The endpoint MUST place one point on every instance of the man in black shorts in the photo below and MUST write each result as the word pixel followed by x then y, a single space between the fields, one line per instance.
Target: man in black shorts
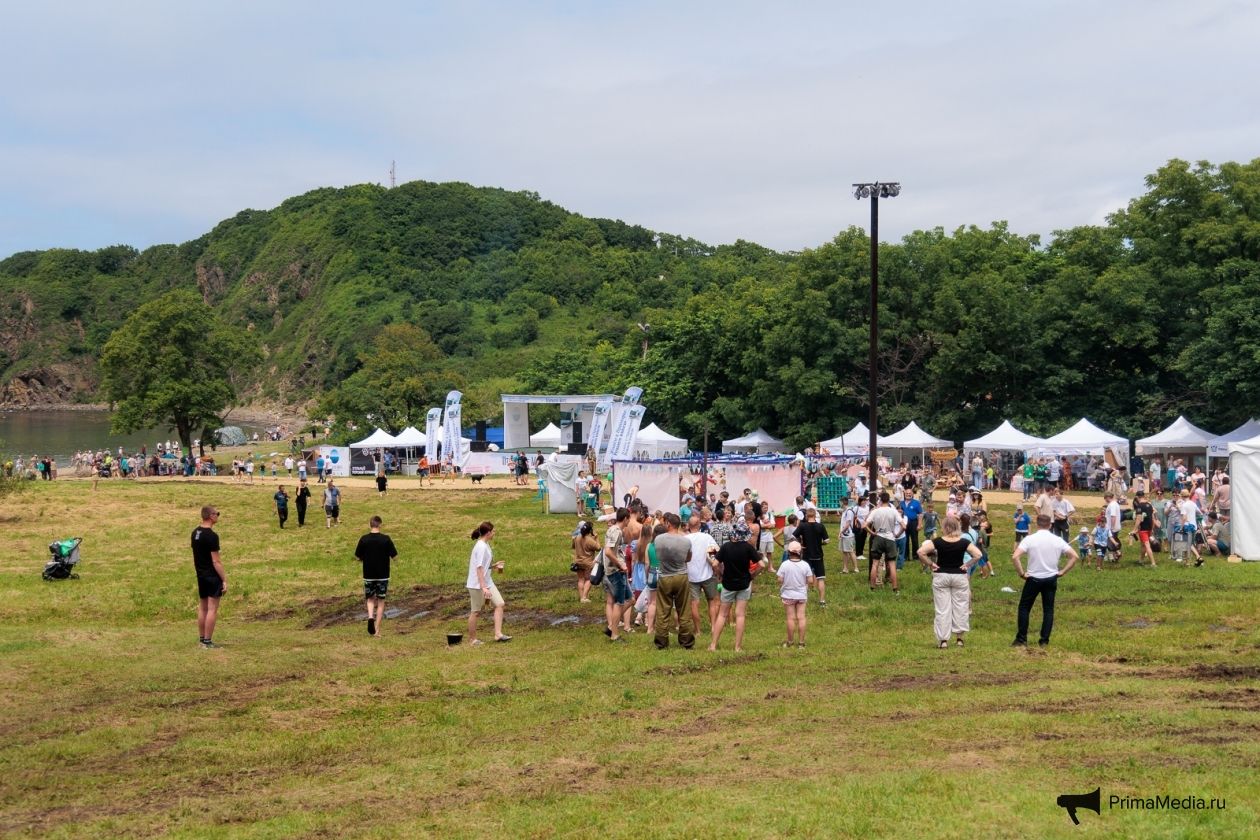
pixel 211 579
pixel 812 535
pixel 375 551
pixel 884 526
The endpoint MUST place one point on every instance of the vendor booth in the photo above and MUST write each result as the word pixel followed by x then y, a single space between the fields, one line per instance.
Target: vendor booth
pixel 363 453
pixel 1085 438
pixel 856 441
pixel 336 460
pixel 1006 446
pixel 909 440
pixel 777 480
pixel 654 443
pixel 1244 481
pixel 1182 439
pixel 759 442
pixel 1218 447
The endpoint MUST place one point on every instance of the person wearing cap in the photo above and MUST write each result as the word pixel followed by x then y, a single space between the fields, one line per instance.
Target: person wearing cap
pixel 1144 523
pixel 1083 542
pixel 740 563
pixel 795 576
pixel 1022 523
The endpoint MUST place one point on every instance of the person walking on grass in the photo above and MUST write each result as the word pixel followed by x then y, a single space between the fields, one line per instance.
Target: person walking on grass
pixel 740 563
pixel 211 579
pixel 795 576
pixel 883 525
pixel 381 479
pixel 1144 523
pixel 480 584
pixel 281 504
pixel 617 597
pixel 673 590
pixel 951 586
pixel 301 468
pixel 812 535
pixel 1044 549
pixel 303 497
pixel 585 553
pixel 848 522
pixel 249 468
pixel 375 551
pixel 701 567
pixel 332 505
pixel 319 468
pixel 288 465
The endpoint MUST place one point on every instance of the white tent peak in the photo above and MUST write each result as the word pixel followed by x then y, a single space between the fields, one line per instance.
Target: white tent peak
pixel 411 436
pixel 1181 434
pixel 856 440
pixel 1218 447
pixel 1005 437
pixel 760 441
pixel 912 437
pixel 655 432
pixel 378 438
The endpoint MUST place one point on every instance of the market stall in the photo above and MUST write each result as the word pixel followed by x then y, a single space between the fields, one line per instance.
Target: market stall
pixel 759 442
pixel 654 443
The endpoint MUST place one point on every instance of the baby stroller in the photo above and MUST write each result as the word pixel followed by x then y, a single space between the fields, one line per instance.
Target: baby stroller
pixel 65 556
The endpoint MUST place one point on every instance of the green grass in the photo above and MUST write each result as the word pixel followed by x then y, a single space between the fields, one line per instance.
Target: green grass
pixel 115 725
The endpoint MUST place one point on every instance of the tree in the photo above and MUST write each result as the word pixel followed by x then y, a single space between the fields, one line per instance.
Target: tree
pixel 401 378
pixel 175 362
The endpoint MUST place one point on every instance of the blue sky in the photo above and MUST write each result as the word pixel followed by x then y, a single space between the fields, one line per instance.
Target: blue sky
pixel 146 123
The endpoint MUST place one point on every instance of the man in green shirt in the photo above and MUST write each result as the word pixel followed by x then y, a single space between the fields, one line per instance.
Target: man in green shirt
pixel 1028 480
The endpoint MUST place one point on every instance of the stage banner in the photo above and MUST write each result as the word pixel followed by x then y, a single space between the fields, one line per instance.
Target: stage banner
pixel 599 425
pixel 433 434
pixel 451 431
pixel 629 398
pixel 621 446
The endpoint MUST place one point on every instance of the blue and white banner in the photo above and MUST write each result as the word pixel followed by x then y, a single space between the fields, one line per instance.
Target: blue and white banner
pixel 621 445
pixel 599 425
pixel 451 431
pixel 433 434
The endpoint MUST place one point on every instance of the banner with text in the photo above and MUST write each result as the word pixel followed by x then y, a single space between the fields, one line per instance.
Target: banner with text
pixel 599 426
pixel 451 431
pixel 433 434
pixel 621 445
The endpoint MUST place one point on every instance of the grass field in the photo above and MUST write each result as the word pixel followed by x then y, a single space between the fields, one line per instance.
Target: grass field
pixel 114 724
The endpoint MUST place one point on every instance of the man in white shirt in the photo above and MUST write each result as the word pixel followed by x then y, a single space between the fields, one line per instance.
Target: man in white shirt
pixel 1114 521
pixel 1189 523
pixel 884 526
pixel 1044 549
pixel 700 572
pixel 1062 510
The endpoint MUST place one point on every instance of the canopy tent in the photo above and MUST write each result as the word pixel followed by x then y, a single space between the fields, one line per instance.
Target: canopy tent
pixel 547 436
pixel 759 442
pixel 1181 436
pixel 1005 438
pixel 1218 447
pixel 654 443
pixel 377 440
pixel 1244 481
pixel 912 437
pixel 856 441
pixel 1086 438
pixel 411 437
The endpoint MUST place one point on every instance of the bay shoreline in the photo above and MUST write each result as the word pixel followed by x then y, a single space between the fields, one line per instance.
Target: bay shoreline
pixel 289 415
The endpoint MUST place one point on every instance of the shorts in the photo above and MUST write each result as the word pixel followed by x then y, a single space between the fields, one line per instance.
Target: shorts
pixel 767 543
pixel 653 575
pixel 479 598
pixel 882 547
pixel 846 544
pixel 1100 551
pixel 423 473
pixel 616 585
pixel 332 511
pixel 731 596
pixel 709 588
pixel 1144 536
pixel 375 588
pixel 1222 547
pixel 792 602
pixel 817 567
pixel 209 586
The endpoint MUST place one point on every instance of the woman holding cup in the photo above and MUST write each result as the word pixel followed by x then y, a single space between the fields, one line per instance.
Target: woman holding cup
pixel 481 586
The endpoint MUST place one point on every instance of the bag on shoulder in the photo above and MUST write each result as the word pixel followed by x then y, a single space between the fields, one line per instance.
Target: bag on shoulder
pixel 597 572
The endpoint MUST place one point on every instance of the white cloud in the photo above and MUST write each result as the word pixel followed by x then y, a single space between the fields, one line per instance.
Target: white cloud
pixel 151 122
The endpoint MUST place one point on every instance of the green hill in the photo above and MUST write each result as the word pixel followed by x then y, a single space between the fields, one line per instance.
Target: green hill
pixel 1129 323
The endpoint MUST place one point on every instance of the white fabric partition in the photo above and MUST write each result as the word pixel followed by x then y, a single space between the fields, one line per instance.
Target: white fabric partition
pixel 778 484
pixel 658 484
pixel 561 485
pixel 1244 481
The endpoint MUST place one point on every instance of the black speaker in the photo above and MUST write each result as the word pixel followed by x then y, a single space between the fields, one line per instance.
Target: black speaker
pixel 577 432
pixel 481 432
pixel 478 446
pixel 575 449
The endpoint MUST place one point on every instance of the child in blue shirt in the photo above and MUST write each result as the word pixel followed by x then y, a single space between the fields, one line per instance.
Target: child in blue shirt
pixel 1022 523
pixel 1102 535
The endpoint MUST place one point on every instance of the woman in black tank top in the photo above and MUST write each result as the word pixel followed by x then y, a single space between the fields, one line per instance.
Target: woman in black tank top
pixel 951 587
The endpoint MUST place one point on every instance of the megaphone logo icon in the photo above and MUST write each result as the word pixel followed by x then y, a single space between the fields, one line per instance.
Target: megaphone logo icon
pixel 1072 801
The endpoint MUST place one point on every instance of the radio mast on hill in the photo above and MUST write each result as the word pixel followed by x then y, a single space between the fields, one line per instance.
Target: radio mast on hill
pixel 391 174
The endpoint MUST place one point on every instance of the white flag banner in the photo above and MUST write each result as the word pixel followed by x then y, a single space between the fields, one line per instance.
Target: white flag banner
pixel 433 433
pixel 599 425
pixel 630 398
pixel 621 446
pixel 451 431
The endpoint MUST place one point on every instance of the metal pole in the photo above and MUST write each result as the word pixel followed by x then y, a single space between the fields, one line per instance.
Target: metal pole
pixel 704 464
pixel 872 463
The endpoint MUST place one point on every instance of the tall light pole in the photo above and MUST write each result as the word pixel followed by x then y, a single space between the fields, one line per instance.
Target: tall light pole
pixel 875 191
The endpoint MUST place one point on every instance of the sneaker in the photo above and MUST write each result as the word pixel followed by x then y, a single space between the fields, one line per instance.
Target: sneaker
pixel 620 641
pixel 896 591
pixel 822 604
pixel 1042 643
pixel 1018 643
pixel 209 645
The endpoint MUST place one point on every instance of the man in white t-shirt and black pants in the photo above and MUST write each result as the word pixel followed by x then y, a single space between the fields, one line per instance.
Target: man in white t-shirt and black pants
pixel 1043 549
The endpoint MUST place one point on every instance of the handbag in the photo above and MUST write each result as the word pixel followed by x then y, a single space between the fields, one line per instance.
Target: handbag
pixel 597 573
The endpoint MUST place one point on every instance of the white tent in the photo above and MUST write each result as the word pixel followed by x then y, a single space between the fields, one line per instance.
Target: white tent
pixel 1084 438
pixel 912 437
pixel 410 437
pixel 853 442
pixel 548 436
pixel 1005 438
pixel 376 440
pixel 1181 436
pixel 1244 481
pixel 759 442
pixel 1218 447
pixel 654 443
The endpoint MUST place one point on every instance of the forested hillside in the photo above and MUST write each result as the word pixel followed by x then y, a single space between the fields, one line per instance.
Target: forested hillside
pixel 1154 314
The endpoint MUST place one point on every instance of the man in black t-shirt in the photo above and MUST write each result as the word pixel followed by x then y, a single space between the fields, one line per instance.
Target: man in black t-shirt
pixel 740 564
pixel 1144 521
pixel 211 579
pixel 374 551
pixel 812 535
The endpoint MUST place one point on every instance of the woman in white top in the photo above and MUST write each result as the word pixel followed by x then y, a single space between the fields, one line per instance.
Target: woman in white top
pixel 766 539
pixel 481 587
